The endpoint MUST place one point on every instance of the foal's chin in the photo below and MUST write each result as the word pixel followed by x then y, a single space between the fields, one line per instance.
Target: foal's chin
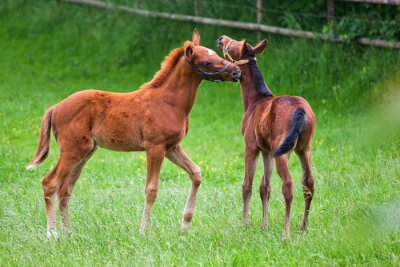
pixel 230 78
pixel 235 80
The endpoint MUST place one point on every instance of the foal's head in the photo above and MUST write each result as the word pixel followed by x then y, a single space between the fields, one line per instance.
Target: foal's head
pixel 207 63
pixel 239 51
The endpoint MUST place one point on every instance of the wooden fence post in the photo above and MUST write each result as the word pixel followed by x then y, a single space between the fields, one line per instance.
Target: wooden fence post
pixel 331 10
pixel 379 2
pixel 196 6
pixel 136 3
pixel 259 17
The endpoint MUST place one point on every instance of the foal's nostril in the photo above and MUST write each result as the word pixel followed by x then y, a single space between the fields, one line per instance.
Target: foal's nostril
pixel 220 38
pixel 236 74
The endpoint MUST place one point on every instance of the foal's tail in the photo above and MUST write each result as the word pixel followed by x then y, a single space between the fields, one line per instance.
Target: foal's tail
pixel 296 128
pixel 44 142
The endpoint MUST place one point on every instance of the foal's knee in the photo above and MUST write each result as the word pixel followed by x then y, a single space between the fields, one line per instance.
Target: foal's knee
pixel 246 188
pixel 265 191
pixel 287 191
pixel 308 183
pixel 151 193
pixel 49 188
pixel 196 177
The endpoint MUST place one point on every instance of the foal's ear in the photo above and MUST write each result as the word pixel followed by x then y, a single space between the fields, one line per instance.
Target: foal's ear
pixel 189 52
pixel 196 37
pixel 260 47
pixel 243 47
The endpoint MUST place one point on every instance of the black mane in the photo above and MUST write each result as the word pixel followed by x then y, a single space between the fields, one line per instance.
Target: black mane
pixel 257 77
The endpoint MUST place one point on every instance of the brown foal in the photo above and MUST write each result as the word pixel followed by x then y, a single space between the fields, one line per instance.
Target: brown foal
pixel 154 118
pixel 274 126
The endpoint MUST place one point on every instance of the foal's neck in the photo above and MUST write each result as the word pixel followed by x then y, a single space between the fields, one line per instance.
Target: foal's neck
pixel 252 85
pixel 181 86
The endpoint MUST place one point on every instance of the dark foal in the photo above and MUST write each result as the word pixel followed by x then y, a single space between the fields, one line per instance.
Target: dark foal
pixel 274 126
pixel 154 119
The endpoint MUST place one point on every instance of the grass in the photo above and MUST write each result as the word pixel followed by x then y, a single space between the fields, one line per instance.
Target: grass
pixel 355 214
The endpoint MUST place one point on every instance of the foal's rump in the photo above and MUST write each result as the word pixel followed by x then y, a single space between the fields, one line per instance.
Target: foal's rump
pixel 297 122
pixel 64 119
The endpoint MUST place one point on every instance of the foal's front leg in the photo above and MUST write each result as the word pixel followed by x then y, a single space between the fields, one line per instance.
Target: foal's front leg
pixel 155 156
pixel 178 156
pixel 250 158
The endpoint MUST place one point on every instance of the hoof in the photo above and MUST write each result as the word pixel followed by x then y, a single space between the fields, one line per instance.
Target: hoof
pixel 303 226
pixel 184 226
pixel 142 232
pixel 52 234
pixel 264 226
pixel 66 231
pixel 285 236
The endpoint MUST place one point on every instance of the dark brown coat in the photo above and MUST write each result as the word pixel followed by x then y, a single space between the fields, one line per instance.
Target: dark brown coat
pixel 274 126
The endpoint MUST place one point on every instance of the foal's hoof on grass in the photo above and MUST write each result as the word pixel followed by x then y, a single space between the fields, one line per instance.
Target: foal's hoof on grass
pixel 52 234
pixel 285 236
pixel 184 226
pixel 264 226
pixel 142 232
pixel 303 226
pixel 66 231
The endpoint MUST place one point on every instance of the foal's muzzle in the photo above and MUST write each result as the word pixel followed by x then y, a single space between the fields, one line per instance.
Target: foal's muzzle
pixel 236 74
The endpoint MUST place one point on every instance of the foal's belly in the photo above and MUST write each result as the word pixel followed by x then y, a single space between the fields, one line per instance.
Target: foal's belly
pixel 119 139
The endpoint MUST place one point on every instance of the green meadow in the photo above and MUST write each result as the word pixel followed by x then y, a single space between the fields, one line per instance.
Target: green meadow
pixel 49 52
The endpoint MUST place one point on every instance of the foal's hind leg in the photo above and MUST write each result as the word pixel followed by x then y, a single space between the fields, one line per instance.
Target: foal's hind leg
pixel 178 156
pixel 250 157
pixel 265 188
pixel 49 190
pixel 287 190
pixel 51 184
pixel 64 194
pixel 308 184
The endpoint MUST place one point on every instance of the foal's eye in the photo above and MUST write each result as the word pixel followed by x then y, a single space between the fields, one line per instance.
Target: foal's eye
pixel 206 64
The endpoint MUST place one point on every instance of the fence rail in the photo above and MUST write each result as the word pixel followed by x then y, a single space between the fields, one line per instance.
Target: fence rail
pixel 382 2
pixel 234 24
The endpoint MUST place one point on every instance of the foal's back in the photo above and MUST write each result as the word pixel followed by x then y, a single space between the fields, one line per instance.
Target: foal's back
pixel 119 121
pixel 104 118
